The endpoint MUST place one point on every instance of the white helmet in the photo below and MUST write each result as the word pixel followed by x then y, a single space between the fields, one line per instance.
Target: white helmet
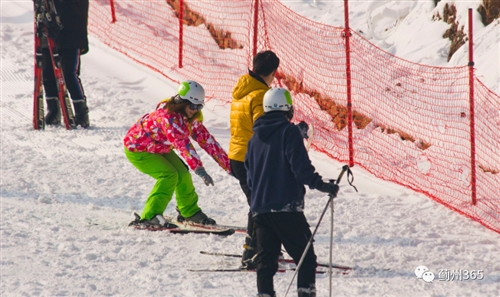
pixel 277 99
pixel 191 91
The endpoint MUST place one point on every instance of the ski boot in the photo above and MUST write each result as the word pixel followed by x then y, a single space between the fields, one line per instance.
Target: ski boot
pixel 53 116
pixel 158 221
pixel 81 113
pixel 197 218
pixel 307 292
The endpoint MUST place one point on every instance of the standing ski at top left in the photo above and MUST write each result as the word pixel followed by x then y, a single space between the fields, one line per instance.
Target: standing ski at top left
pixel 60 39
pixel 38 119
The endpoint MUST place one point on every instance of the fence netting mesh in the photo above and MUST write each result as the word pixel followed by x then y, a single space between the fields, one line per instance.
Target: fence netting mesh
pixel 411 123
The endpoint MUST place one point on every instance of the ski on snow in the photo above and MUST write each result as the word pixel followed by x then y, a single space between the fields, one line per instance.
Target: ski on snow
pixel 38 110
pixel 229 270
pixel 182 228
pixel 186 224
pixel 345 269
pixel 281 270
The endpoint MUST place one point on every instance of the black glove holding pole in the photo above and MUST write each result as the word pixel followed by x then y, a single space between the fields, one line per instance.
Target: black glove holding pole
pixel 330 188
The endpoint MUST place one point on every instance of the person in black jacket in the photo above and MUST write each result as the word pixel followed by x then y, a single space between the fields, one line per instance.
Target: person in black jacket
pixel 71 41
pixel 278 167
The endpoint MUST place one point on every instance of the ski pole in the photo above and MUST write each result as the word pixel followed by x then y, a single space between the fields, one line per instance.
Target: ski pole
pixel 330 270
pixel 344 169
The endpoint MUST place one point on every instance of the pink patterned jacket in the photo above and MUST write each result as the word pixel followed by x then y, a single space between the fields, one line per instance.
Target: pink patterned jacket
pixel 160 131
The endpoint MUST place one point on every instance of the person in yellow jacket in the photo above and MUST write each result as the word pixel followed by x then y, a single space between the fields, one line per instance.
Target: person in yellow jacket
pixel 246 107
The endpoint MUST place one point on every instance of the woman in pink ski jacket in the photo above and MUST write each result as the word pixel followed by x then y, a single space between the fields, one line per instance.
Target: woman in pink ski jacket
pixel 149 146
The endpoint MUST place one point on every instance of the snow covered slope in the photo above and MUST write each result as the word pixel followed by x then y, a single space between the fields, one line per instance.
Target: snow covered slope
pixel 67 197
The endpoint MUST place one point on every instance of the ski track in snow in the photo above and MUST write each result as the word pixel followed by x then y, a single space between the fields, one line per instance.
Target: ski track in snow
pixel 67 197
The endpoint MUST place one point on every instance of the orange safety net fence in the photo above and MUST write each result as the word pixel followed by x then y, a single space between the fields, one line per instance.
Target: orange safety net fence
pixel 411 123
pixel 148 32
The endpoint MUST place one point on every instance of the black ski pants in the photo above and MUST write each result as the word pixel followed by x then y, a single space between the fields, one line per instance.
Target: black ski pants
pixel 292 230
pixel 70 64
pixel 239 171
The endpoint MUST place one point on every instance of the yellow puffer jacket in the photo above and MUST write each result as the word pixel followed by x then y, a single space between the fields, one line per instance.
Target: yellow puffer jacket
pixel 246 107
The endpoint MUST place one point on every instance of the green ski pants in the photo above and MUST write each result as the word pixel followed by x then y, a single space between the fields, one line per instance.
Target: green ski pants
pixel 171 175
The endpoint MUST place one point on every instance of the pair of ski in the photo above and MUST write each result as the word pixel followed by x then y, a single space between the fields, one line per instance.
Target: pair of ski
pixel 339 269
pixel 47 25
pixel 186 227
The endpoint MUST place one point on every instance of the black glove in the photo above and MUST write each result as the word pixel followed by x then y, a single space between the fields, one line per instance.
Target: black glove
pixel 329 188
pixel 201 172
pixel 304 129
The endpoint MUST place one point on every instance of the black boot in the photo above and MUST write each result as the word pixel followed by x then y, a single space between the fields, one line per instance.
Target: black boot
pixel 53 116
pixel 81 113
pixel 307 292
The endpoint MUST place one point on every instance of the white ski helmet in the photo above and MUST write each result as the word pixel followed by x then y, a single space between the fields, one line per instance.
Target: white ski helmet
pixel 277 99
pixel 191 91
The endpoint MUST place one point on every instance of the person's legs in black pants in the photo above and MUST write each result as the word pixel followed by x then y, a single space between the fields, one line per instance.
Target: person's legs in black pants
pixel 293 231
pixel 71 66
pixel 296 235
pixel 239 171
pixel 268 250
pixel 53 116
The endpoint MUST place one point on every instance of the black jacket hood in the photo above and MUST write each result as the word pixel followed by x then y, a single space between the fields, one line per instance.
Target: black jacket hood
pixel 266 125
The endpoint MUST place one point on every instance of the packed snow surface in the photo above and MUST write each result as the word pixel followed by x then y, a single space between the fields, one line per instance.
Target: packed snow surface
pixel 67 196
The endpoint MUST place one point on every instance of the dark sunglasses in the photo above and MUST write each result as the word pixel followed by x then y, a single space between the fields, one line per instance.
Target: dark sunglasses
pixel 196 107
